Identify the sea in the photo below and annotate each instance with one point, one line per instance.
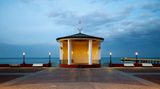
(55, 61)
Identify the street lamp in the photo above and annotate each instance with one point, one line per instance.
(136, 53)
(110, 57)
(49, 58)
(24, 57)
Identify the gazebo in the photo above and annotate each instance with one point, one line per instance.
(80, 50)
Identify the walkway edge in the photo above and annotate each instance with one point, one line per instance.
(21, 78)
(143, 81)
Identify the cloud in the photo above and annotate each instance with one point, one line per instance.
(110, 25)
(154, 6)
(91, 21)
(103, 1)
(27, 1)
(119, 22)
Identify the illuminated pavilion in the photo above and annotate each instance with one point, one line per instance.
(80, 49)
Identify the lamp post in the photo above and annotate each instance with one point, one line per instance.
(24, 57)
(110, 57)
(136, 53)
(49, 58)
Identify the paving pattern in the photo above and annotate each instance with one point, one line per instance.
(140, 70)
(147, 73)
(5, 78)
(19, 70)
(151, 77)
(74, 78)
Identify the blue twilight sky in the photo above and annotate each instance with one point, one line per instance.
(33, 25)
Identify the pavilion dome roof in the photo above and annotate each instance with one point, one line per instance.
(80, 35)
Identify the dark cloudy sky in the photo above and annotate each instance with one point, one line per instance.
(33, 25)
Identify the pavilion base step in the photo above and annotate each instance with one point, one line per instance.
(80, 66)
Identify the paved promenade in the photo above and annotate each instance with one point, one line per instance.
(94, 78)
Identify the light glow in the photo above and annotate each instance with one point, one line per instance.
(24, 53)
(136, 53)
(110, 53)
(49, 53)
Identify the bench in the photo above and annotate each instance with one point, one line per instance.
(147, 65)
(37, 65)
(128, 65)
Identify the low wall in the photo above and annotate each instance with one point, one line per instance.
(80, 66)
(135, 65)
(22, 65)
(4, 65)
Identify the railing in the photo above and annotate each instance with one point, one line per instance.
(65, 61)
(142, 60)
(96, 61)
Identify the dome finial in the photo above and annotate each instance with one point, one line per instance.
(79, 28)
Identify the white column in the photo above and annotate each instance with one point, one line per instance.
(90, 52)
(69, 52)
(99, 52)
(61, 51)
